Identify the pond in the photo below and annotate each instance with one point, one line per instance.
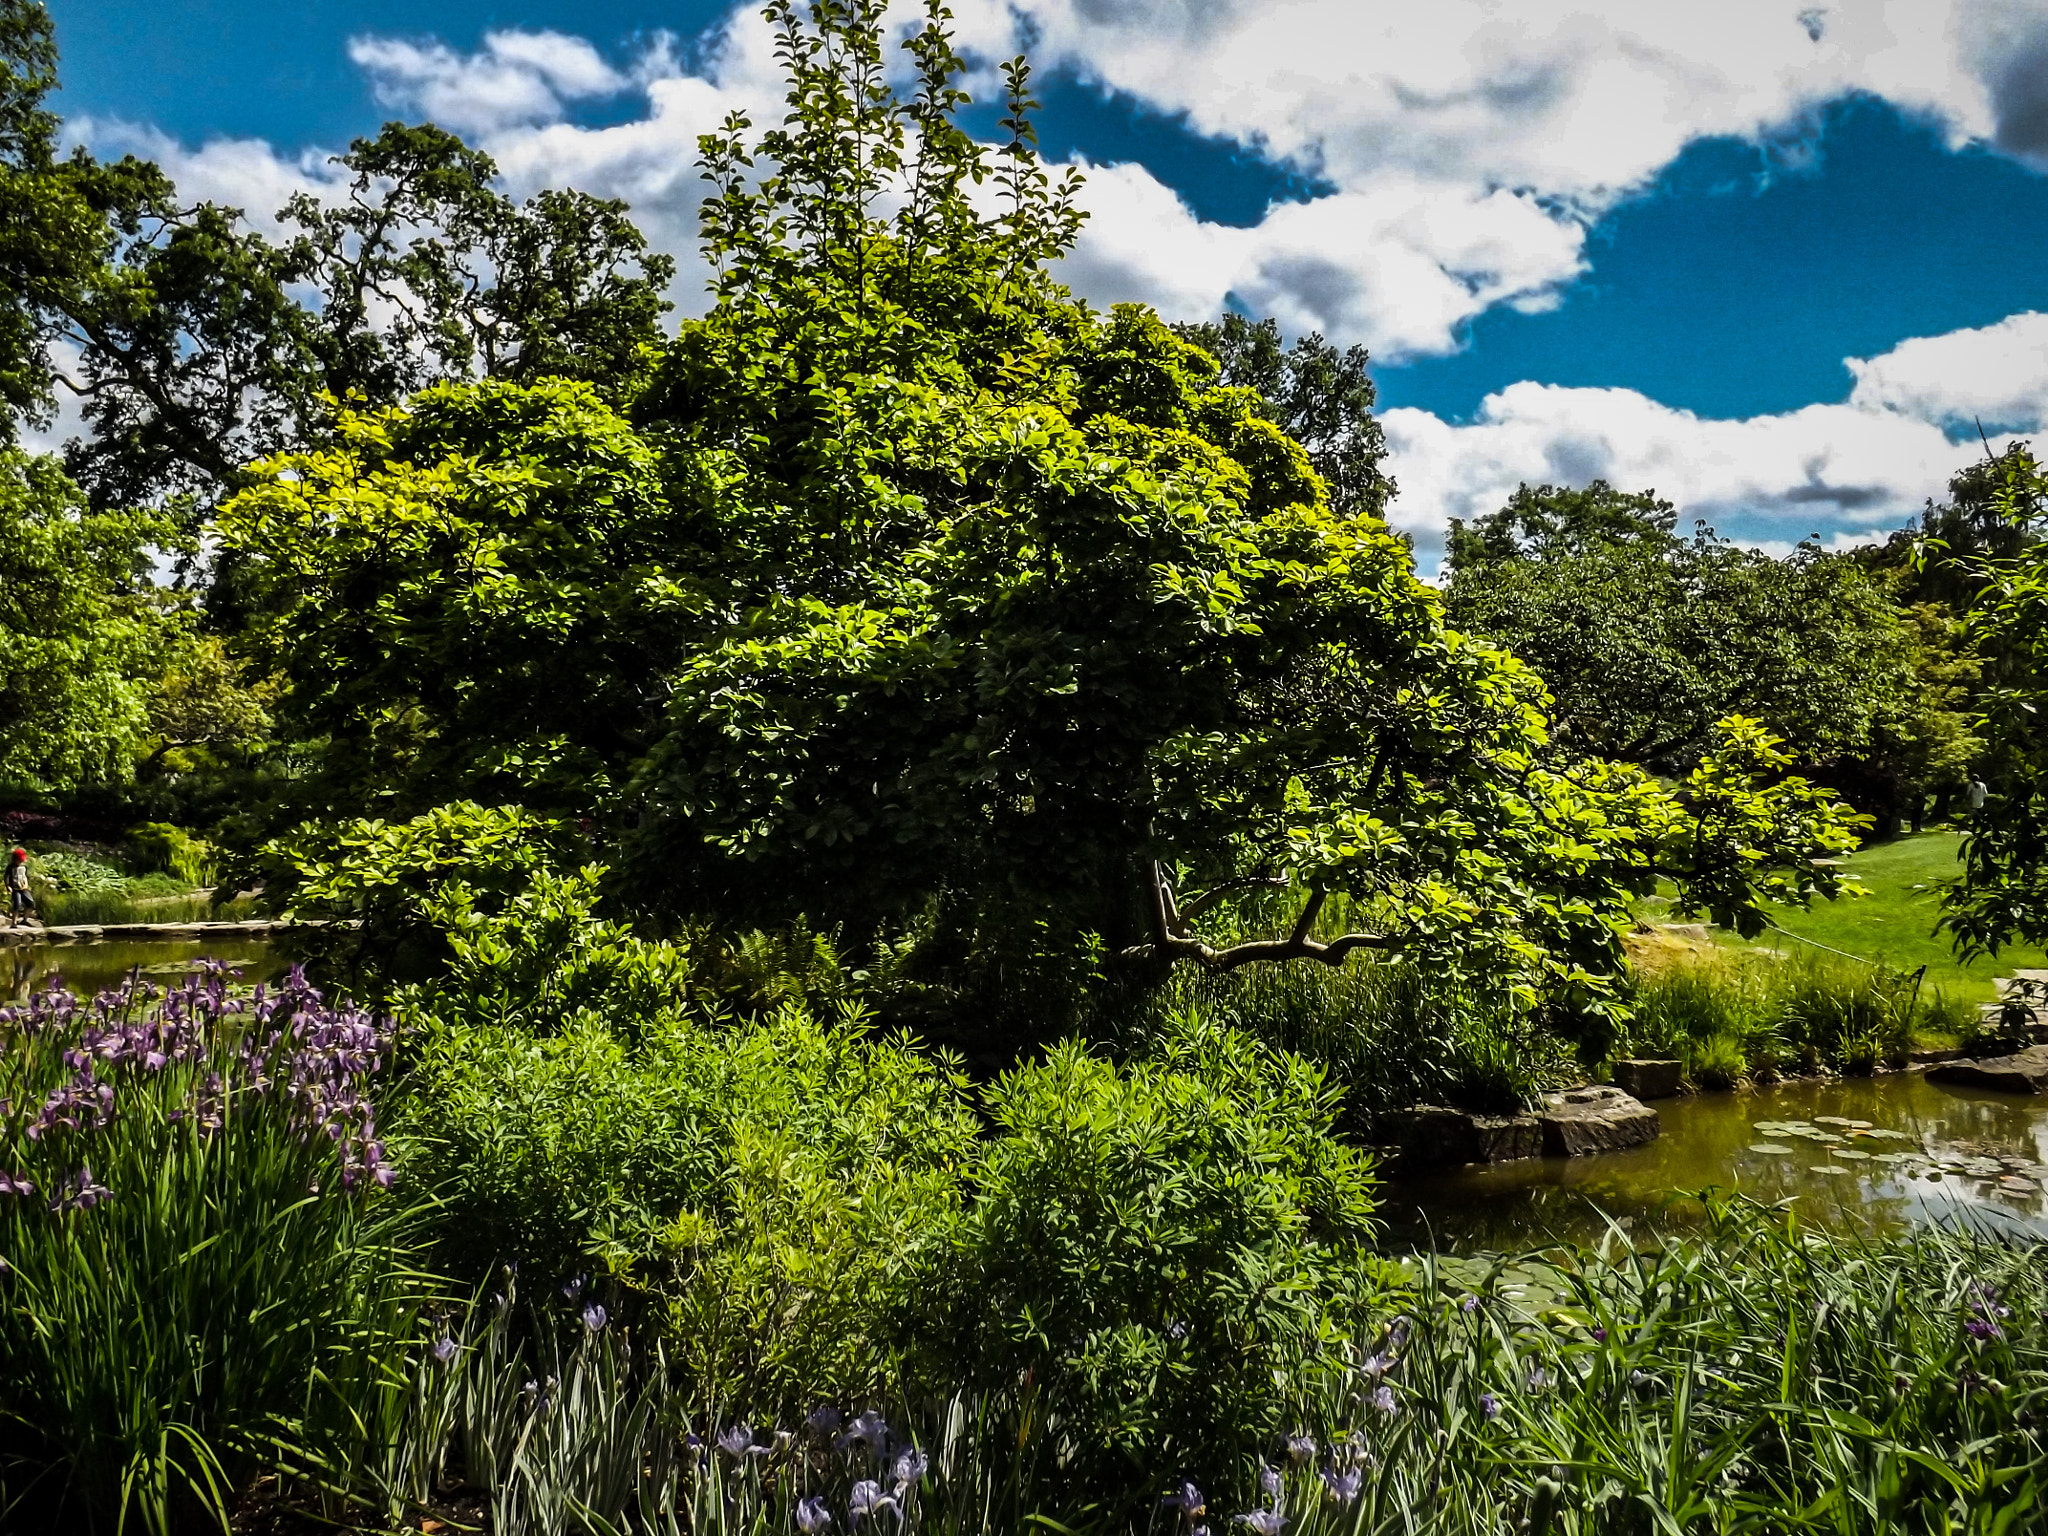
(1883, 1151)
(88, 968)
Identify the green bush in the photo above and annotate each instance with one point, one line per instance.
(1166, 1250)
(772, 1189)
(157, 845)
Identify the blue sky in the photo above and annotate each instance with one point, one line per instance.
(1566, 259)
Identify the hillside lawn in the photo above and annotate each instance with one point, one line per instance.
(1894, 923)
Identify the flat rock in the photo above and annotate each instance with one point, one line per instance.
(1580, 1121)
(1648, 1079)
(2023, 1072)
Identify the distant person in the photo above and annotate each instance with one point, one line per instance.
(19, 902)
(1977, 794)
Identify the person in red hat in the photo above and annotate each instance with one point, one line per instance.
(18, 899)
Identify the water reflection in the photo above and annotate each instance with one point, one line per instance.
(1883, 1152)
(89, 968)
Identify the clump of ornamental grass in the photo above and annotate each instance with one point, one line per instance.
(195, 1219)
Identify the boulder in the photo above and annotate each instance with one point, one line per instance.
(1431, 1134)
(1650, 1079)
(1585, 1120)
(2023, 1072)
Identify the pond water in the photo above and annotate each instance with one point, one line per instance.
(1881, 1152)
(88, 968)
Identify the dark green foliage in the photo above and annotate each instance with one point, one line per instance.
(2003, 892)
(1647, 639)
(1167, 1247)
(1317, 394)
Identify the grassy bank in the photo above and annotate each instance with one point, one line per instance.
(1894, 924)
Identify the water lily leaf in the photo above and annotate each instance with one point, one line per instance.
(1765, 1146)
(1842, 1120)
(1848, 1155)
(1827, 1168)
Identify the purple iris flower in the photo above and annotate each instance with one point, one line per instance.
(736, 1440)
(1267, 1522)
(444, 1349)
(812, 1516)
(911, 1465)
(593, 1317)
(1343, 1486)
(867, 1499)
(1301, 1449)
(1489, 1405)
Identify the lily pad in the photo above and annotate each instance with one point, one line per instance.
(1850, 1155)
(2015, 1186)
(1829, 1168)
(1843, 1121)
(1770, 1147)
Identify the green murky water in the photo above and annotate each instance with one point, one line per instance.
(88, 968)
(1883, 1152)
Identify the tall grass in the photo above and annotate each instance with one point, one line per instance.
(1388, 1036)
(1728, 1023)
(1763, 1378)
(195, 1226)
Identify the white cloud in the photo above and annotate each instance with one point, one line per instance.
(1849, 471)
(517, 78)
(1398, 264)
(1996, 374)
(1570, 99)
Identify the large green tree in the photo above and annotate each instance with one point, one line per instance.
(193, 344)
(943, 591)
(2002, 895)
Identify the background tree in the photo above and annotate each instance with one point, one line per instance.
(2002, 894)
(82, 633)
(1647, 639)
(1318, 394)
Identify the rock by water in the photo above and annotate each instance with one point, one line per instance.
(2023, 1072)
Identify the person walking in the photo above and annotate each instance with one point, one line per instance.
(1978, 792)
(18, 899)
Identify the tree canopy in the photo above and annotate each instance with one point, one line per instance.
(909, 584)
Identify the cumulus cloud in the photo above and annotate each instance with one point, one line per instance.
(1994, 374)
(517, 77)
(1399, 263)
(1568, 99)
(1849, 471)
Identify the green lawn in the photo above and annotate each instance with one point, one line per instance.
(1895, 922)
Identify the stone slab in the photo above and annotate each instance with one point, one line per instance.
(1431, 1135)
(1650, 1079)
(2023, 1072)
(1581, 1121)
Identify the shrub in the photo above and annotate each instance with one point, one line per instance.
(193, 1212)
(770, 1188)
(1166, 1250)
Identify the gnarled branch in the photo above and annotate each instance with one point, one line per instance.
(1175, 939)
